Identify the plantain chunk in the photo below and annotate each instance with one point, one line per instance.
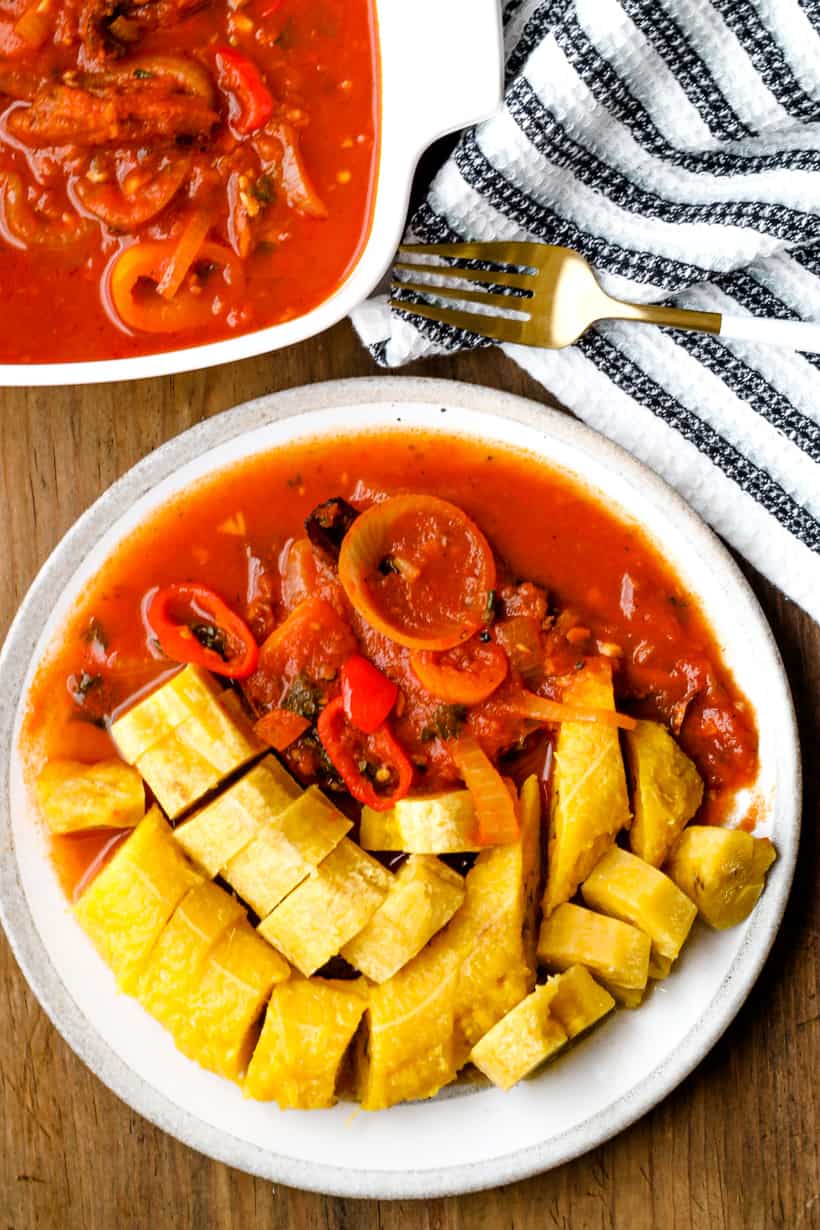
(579, 1001)
(667, 790)
(521, 1041)
(286, 850)
(423, 1022)
(589, 803)
(176, 700)
(73, 796)
(308, 1027)
(408, 1050)
(224, 1007)
(495, 928)
(626, 887)
(423, 897)
(538, 1027)
(328, 909)
(204, 915)
(659, 967)
(442, 823)
(126, 907)
(221, 829)
(617, 952)
(185, 739)
(722, 870)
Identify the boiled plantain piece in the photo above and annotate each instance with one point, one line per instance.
(442, 823)
(667, 790)
(495, 928)
(379, 830)
(722, 870)
(191, 762)
(532, 855)
(626, 887)
(408, 1049)
(579, 1002)
(176, 700)
(423, 897)
(589, 803)
(659, 967)
(125, 908)
(521, 1041)
(630, 997)
(224, 1007)
(617, 952)
(73, 796)
(335, 903)
(309, 1024)
(204, 915)
(216, 833)
(184, 741)
(423, 1022)
(285, 850)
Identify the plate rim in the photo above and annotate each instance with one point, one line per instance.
(44, 978)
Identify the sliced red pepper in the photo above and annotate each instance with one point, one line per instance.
(193, 624)
(368, 695)
(373, 767)
(249, 99)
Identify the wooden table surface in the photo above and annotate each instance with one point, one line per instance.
(736, 1146)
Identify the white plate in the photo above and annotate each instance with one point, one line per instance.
(471, 1138)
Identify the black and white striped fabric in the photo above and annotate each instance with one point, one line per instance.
(676, 144)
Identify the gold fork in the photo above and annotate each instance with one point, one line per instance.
(561, 299)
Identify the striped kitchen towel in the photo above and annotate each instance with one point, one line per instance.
(676, 144)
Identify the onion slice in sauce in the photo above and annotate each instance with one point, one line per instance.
(419, 571)
(497, 822)
(539, 709)
(187, 250)
(32, 227)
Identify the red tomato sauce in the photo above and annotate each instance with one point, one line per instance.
(564, 564)
(268, 169)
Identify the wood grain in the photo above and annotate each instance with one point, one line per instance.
(734, 1148)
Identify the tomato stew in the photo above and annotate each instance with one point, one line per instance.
(178, 171)
(567, 586)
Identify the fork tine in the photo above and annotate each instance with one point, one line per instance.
(514, 303)
(513, 253)
(496, 327)
(494, 277)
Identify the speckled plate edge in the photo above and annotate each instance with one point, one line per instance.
(43, 977)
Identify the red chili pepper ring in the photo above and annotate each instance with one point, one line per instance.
(374, 767)
(193, 624)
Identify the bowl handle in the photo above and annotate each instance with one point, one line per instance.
(442, 64)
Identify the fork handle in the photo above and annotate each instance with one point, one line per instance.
(794, 334)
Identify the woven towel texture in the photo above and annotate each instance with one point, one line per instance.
(676, 144)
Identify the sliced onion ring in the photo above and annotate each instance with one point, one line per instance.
(375, 537)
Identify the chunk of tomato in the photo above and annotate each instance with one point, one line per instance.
(300, 661)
